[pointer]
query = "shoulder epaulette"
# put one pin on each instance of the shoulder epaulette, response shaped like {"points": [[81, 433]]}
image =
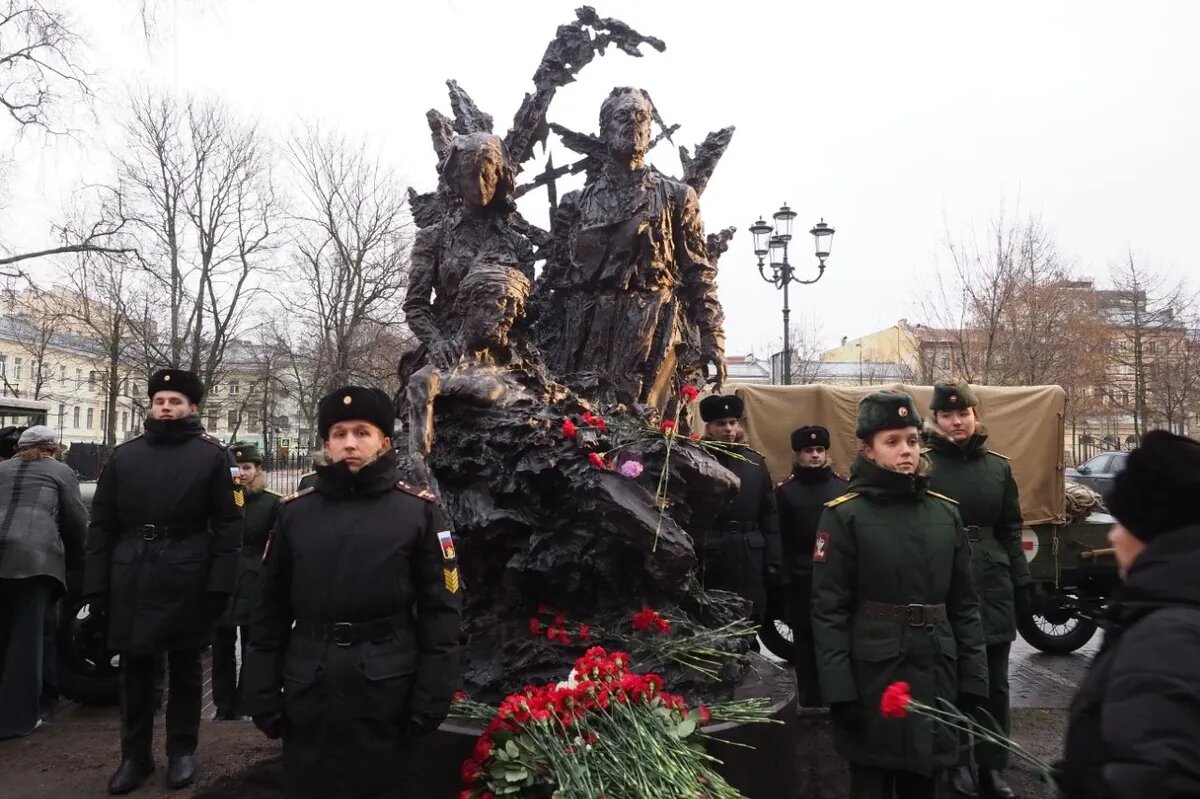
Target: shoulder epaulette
{"points": [[785, 481], [298, 494], [272, 493], [833, 503], [307, 474], [123, 443], [925, 450], [212, 440], [999, 455], [419, 493], [942, 496]]}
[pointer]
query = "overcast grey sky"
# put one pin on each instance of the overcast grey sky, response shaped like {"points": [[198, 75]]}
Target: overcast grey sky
{"points": [[884, 118]]}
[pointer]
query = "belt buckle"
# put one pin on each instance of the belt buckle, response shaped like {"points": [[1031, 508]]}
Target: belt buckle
{"points": [[972, 531], [149, 532], [343, 627], [916, 616]]}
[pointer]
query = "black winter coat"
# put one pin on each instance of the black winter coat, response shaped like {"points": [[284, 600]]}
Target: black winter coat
{"points": [[1134, 729], [356, 548], [742, 545], [164, 539], [801, 499]]}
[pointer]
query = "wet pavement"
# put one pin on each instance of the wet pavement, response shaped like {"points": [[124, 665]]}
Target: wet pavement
{"points": [[1038, 680]]}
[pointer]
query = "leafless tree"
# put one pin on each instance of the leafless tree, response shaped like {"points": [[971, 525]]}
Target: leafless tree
{"points": [[1144, 311], [197, 188], [40, 69], [353, 236], [33, 319]]}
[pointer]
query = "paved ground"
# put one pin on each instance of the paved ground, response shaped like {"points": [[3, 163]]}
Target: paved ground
{"points": [[74, 756]]}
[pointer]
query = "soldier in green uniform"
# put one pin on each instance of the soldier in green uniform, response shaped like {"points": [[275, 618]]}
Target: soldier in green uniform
{"points": [[981, 481], [894, 599], [261, 508]]}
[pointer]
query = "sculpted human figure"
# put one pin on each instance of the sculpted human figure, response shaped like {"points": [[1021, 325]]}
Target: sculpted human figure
{"points": [[628, 302], [480, 175]]}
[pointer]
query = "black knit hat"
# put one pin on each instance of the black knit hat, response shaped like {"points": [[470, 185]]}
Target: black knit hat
{"points": [[888, 409], [246, 452], [355, 402], [721, 406], [952, 395], [810, 436], [1156, 491], [186, 383]]}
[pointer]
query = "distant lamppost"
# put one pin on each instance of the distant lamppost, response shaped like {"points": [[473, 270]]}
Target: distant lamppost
{"points": [[773, 243]]}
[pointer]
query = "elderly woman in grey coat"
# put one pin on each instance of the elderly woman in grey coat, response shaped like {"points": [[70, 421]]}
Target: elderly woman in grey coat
{"points": [[42, 526]]}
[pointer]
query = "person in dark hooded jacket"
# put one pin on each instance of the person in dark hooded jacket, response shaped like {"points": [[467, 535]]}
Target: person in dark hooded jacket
{"points": [[1134, 728], [801, 499]]}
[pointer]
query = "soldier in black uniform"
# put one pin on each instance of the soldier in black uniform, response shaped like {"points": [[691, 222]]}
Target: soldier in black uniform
{"points": [[801, 499], [741, 552], [364, 567], [160, 562]]}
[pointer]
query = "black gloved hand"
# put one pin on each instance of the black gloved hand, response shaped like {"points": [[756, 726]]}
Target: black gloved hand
{"points": [[1023, 600], [215, 603], [273, 725], [847, 715], [419, 725]]}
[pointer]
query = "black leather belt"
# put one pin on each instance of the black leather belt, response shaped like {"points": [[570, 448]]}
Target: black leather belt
{"points": [[348, 633], [977, 533], [152, 532], [737, 527], [910, 615]]}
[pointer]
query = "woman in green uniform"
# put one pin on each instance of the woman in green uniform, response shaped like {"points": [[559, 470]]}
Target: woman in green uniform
{"points": [[981, 481], [893, 599]]}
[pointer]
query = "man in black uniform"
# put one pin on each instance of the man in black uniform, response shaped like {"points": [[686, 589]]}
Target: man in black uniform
{"points": [[160, 562], [741, 552], [801, 499], [365, 568]]}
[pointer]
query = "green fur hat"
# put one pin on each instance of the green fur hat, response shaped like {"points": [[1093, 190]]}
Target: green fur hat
{"points": [[888, 409], [952, 395]]}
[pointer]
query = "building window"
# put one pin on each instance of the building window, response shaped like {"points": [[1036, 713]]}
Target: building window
{"points": [[91, 417], [252, 424], [103, 419], [3, 365], [213, 421], [78, 378], [75, 418], [124, 420], [233, 419], [62, 375], [17, 363], [233, 387]]}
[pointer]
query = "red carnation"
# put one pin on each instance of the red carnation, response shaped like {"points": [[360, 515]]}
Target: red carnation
{"points": [[667, 426], [460, 696], [694, 436], [585, 632], [705, 714], [647, 619], [689, 393], [596, 460], [535, 626], [895, 701], [568, 428]]}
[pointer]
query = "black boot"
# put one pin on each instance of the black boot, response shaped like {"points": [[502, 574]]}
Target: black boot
{"points": [[129, 777], [992, 784], [964, 782], [181, 770]]}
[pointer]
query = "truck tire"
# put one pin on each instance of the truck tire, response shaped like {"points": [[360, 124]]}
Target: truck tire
{"points": [[1055, 636], [776, 635], [88, 671]]}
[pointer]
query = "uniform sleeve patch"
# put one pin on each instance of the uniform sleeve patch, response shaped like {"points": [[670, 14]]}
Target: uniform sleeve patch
{"points": [[821, 547], [238, 498], [446, 540], [450, 578]]}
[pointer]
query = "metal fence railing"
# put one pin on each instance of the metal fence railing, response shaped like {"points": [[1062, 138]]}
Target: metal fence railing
{"points": [[283, 470]]}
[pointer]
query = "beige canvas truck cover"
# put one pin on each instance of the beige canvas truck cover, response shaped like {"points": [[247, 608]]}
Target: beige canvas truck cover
{"points": [[1023, 423]]}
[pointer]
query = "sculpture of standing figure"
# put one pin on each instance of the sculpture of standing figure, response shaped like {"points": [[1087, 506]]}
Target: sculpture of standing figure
{"points": [[628, 300], [479, 173]]}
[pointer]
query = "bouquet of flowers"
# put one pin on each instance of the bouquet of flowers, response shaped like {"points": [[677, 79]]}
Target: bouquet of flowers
{"points": [[605, 731]]}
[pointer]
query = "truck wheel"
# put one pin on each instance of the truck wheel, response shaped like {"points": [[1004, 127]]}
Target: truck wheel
{"points": [[776, 635], [1057, 635], [88, 671]]}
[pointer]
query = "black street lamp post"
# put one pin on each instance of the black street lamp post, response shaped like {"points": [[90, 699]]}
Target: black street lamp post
{"points": [[773, 243]]}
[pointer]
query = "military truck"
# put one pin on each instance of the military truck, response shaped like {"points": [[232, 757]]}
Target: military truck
{"points": [[1073, 570]]}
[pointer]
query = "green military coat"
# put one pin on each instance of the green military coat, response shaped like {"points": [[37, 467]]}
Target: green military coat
{"points": [[889, 540], [262, 507], [982, 483]]}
